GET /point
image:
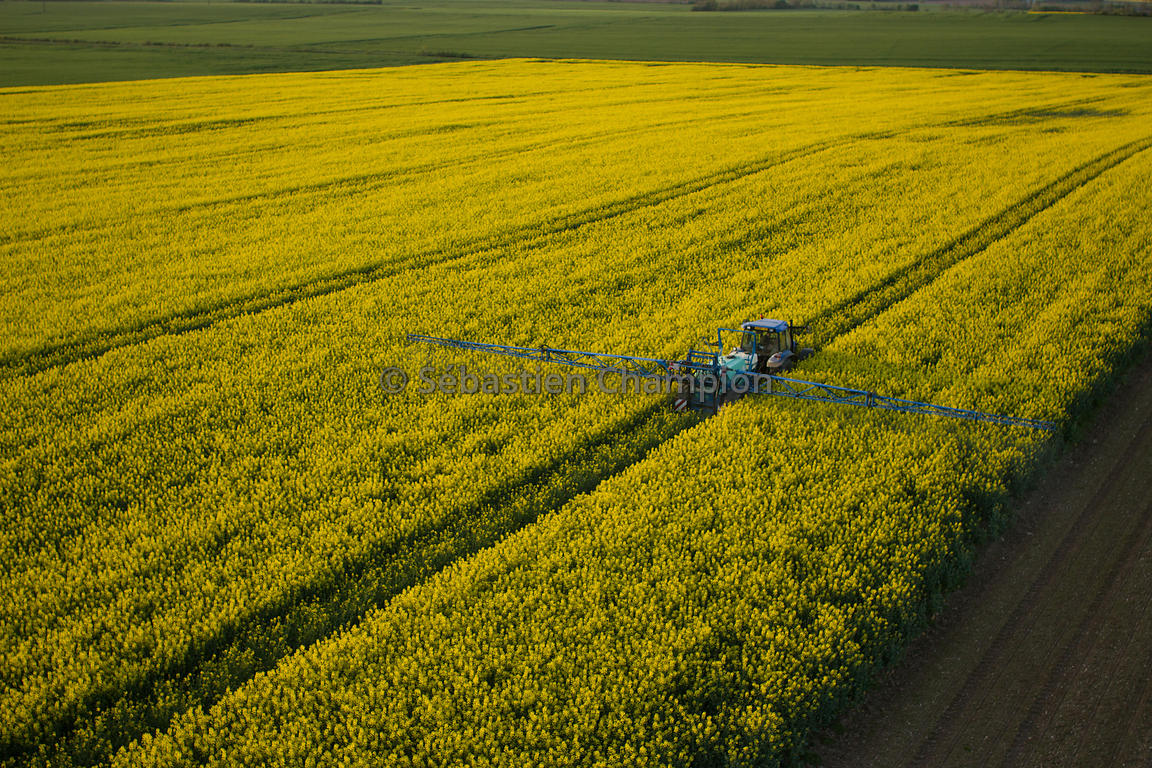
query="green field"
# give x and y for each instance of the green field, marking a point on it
(68, 42)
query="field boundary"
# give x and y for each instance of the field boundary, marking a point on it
(197, 43)
(1048, 608)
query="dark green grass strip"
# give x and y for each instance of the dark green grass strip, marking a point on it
(149, 40)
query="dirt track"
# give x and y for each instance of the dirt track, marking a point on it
(1045, 657)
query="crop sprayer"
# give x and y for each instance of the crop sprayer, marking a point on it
(705, 380)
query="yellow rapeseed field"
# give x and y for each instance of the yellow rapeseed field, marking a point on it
(223, 543)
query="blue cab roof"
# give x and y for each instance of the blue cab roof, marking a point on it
(764, 324)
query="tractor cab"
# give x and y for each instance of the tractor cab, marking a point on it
(766, 346)
(758, 347)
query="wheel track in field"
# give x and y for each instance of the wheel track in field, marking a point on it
(377, 180)
(98, 725)
(870, 302)
(59, 355)
(90, 346)
(373, 180)
(113, 128)
(1137, 730)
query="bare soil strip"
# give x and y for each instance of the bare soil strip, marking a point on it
(1045, 657)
